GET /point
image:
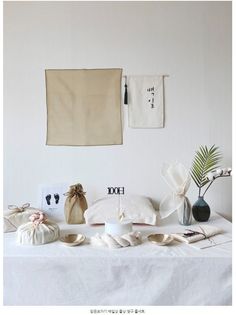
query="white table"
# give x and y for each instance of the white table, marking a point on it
(147, 274)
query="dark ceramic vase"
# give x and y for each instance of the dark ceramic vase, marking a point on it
(201, 210)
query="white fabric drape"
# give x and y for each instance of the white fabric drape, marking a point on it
(178, 179)
(146, 274)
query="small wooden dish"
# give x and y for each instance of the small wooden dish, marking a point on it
(161, 239)
(72, 239)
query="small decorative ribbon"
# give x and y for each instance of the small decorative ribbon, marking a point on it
(38, 218)
(15, 209)
(75, 190)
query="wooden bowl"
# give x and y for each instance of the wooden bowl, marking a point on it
(72, 239)
(161, 239)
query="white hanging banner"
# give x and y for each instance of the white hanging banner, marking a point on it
(145, 101)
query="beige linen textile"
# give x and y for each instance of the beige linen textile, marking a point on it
(84, 107)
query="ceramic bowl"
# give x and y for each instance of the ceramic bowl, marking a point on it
(72, 239)
(161, 239)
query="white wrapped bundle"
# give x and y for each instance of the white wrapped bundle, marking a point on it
(16, 216)
(37, 232)
(178, 179)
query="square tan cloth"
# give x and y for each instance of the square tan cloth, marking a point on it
(84, 107)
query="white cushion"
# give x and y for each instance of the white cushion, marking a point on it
(138, 209)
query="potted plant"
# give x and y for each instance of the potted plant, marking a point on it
(205, 170)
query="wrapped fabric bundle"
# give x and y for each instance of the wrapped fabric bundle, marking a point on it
(38, 231)
(75, 205)
(198, 233)
(17, 216)
(178, 179)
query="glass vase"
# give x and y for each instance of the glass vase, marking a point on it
(185, 212)
(201, 210)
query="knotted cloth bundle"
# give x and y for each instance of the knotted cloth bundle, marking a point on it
(16, 216)
(75, 205)
(76, 190)
(178, 179)
(38, 218)
(115, 241)
(37, 232)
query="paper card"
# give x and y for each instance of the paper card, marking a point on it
(52, 200)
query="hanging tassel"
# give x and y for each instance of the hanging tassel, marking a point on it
(126, 92)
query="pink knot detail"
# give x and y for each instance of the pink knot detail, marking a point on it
(38, 217)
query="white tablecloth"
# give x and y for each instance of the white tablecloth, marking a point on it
(147, 274)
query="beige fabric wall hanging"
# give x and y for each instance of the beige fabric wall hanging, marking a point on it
(84, 107)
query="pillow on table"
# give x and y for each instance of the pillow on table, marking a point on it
(138, 209)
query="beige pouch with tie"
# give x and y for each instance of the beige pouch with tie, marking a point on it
(75, 205)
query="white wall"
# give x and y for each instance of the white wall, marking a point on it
(190, 41)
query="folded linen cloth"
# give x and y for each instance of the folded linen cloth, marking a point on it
(145, 101)
(113, 242)
(197, 233)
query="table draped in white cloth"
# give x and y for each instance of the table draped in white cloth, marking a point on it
(146, 274)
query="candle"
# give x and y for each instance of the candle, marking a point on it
(116, 227)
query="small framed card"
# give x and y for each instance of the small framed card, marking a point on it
(52, 200)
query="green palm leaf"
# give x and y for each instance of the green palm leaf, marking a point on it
(205, 161)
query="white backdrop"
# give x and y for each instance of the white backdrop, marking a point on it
(190, 41)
